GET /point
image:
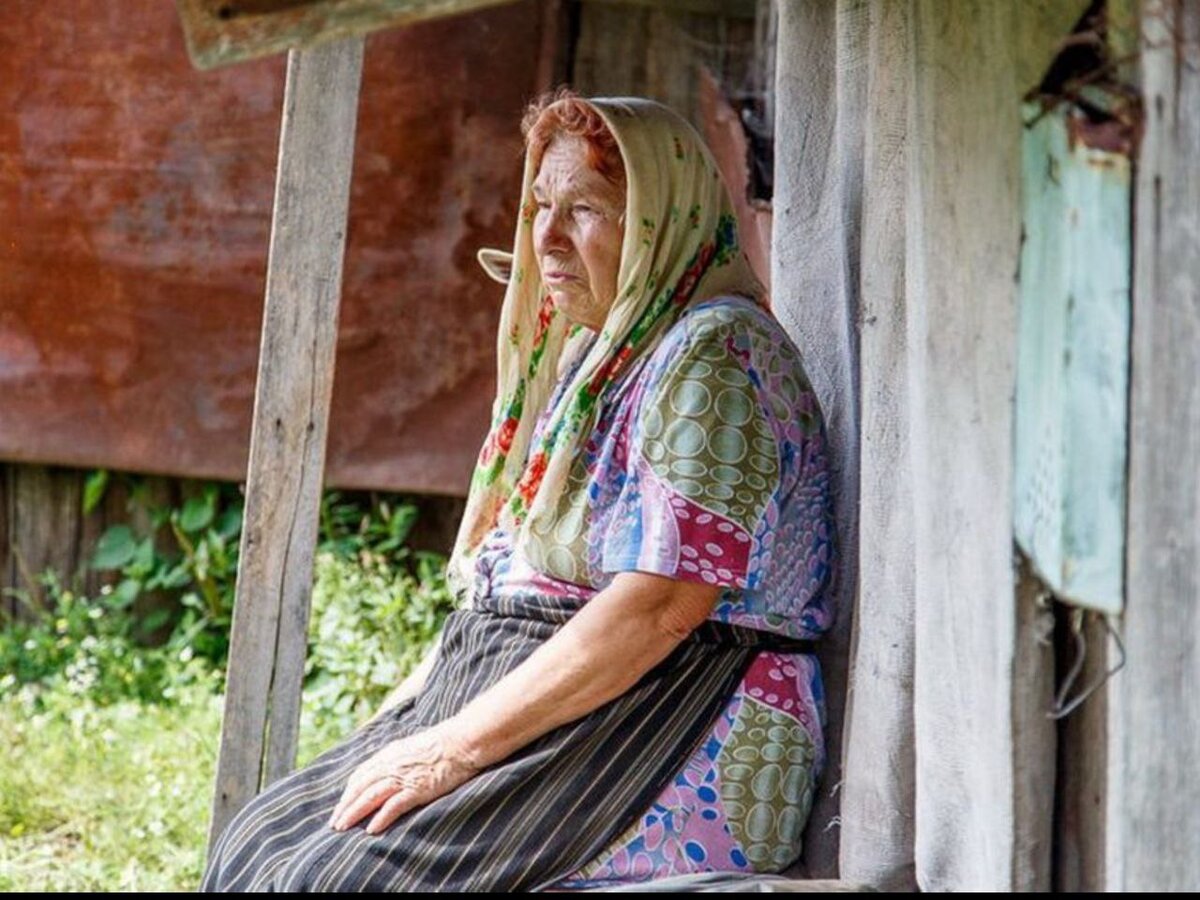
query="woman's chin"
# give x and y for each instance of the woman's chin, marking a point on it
(568, 306)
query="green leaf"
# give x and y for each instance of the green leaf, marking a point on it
(230, 523)
(197, 513)
(115, 548)
(93, 489)
(154, 619)
(127, 591)
(192, 600)
(143, 557)
(175, 577)
(402, 521)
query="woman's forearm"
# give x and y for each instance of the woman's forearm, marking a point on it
(620, 634)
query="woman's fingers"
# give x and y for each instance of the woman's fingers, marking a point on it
(354, 787)
(396, 806)
(366, 802)
(378, 766)
(407, 773)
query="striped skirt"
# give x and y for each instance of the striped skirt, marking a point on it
(526, 822)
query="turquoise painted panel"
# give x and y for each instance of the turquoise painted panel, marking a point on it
(1073, 363)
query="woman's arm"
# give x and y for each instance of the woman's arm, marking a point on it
(618, 636)
(604, 649)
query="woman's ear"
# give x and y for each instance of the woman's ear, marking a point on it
(496, 263)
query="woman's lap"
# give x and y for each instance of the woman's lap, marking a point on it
(514, 827)
(280, 838)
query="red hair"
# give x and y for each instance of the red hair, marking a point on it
(564, 113)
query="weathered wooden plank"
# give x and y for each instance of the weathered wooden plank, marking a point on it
(1034, 736)
(877, 801)
(1082, 765)
(820, 83)
(291, 408)
(646, 52)
(44, 527)
(1153, 819)
(975, 811)
(220, 32)
(737, 9)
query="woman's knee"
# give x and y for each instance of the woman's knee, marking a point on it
(325, 862)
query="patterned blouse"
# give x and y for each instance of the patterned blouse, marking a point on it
(708, 464)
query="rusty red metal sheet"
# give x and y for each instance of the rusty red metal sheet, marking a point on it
(135, 200)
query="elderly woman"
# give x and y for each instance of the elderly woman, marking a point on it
(627, 690)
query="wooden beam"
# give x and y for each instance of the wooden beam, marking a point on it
(1153, 821)
(730, 9)
(877, 800)
(820, 91)
(645, 52)
(291, 413)
(981, 806)
(220, 32)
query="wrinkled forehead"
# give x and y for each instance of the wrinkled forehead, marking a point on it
(565, 169)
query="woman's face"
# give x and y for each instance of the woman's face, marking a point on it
(577, 232)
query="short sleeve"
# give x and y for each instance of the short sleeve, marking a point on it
(703, 469)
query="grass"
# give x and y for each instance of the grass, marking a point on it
(110, 798)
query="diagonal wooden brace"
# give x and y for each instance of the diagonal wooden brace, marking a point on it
(291, 415)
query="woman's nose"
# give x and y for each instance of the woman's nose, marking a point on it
(550, 233)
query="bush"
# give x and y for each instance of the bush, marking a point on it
(80, 648)
(377, 605)
(113, 743)
(372, 622)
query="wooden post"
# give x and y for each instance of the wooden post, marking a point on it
(820, 89)
(1153, 817)
(984, 750)
(291, 411)
(877, 801)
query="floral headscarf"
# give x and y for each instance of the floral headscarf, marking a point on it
(680, 245)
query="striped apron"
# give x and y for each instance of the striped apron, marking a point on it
(522, 824)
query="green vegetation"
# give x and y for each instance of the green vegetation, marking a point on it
(111, 743)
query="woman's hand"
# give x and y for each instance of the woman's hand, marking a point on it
(407, 773)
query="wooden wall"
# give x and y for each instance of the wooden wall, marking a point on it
(907, 135)
(1152, 832)
(42, 526)
(814, 265)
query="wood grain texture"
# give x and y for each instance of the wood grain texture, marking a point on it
(743, 9)
(975, 814)
(820, 92)
(44, 524)
(1080, 791)
(878, 784)
(222, 32)
(291, 414)
(1035, 736)
(1153, 821)
(641, 52)
(43, 527)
